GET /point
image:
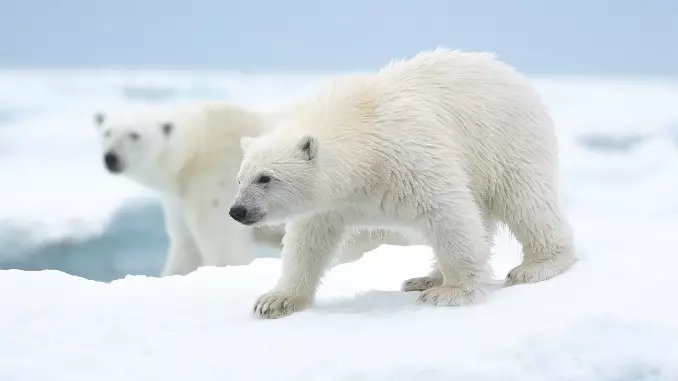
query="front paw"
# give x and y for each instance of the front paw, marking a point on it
(277, 304)
(420, 284)
(448, 295)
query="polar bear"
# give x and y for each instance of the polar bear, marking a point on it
(190, 156)
(445, 144)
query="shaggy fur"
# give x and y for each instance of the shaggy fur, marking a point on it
(190, 156)
(444, 144)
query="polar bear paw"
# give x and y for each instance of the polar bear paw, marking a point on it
(420, 284)
(452, 295)
(276, 304)
(533, 272)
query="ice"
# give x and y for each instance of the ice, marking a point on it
(614, 317)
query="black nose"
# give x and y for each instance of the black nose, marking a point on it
(112, 162)
(238, 213)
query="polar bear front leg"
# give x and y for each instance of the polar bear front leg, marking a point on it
(309, 246)
(182, 258)
(365, 240)
(460, 244)
(433, 279)
(184, 255)
(270, 236)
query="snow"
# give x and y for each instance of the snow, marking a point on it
(612, 317)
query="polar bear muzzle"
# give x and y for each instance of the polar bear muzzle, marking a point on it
(244, 215)
(113, 162)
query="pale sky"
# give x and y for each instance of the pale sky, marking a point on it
(538, 36)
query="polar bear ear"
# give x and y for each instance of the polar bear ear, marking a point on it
(99, 119)
(245, 142)
(308, 145)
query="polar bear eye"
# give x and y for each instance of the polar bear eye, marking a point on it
(264, 179)
(134, 136)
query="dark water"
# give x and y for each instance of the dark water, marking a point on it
(133, 243)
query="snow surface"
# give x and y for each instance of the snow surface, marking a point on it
(613, 317)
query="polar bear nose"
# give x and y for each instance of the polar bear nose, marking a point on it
(238, 213)
(112, 162)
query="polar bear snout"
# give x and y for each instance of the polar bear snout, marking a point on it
(112, 162)
(244, 215)
(238, 213)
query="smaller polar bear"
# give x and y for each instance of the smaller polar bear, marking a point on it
(444, 144)
(190, 155)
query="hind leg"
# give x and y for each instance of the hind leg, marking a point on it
(532, 212)
(490, 226)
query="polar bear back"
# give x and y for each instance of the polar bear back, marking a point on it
(440, 105)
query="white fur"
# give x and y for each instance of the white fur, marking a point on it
(193, 168)
(444, 144)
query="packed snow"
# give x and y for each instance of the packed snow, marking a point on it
(614, 317)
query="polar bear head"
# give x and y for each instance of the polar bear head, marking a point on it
(135, 146)
(277, 178)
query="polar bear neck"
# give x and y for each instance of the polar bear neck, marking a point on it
(340, 116)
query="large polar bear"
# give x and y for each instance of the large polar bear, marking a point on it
(444, 144)
(190, 155)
